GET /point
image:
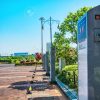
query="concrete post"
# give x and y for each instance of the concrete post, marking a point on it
(52, 65)
(62, 63)
(44, 62)
(47, 64)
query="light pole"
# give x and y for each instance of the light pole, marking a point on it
(42, 20)
(51, 30)
(52, 51)
(50, 20)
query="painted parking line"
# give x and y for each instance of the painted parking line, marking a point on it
(14, 86)
(13, 73)
(13, 77)
(6, 86)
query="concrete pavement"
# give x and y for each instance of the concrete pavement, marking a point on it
(14, 82)
(43, 90)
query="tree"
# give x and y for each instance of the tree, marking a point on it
(57, 43)
(62, 44)
(38, 56)
(70, 23)
(63, 49)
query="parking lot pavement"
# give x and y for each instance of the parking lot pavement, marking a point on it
(14, 82)
(11, 76)
(43, 90)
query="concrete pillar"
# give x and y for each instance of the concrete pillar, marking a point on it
(47, 64)
(52, 64)
(44, 62)
(62, 63)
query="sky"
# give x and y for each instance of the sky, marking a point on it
(20, 26)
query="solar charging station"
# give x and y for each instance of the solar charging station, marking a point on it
(89, 55)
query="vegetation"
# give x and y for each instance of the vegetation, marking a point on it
(70, 23)
(38, 56)
(69, 74)
(21, 60)
(62, 43)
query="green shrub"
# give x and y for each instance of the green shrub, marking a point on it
(17, 62)
(57, 70)
(70, 68)
(69, 76)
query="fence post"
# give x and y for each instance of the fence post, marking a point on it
(74, 78)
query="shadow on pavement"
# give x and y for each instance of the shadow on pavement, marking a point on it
(44, 98)
(21, 85)
(36, 85)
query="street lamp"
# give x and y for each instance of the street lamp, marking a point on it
(42, 20)
(52, 51)
(50, 20)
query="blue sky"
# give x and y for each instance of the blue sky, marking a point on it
(20, 25)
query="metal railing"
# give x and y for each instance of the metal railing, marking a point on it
(70, 93)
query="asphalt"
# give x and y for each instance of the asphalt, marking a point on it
(14, 82)
(43, 90)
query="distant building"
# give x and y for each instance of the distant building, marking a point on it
(21, 54)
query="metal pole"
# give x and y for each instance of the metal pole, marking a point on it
(51, 31)
(42, 19)
(52, 52)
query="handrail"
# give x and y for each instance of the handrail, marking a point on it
(68, 92)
